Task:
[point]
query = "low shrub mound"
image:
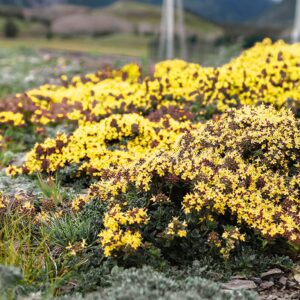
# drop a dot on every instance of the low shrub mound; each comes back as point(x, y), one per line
point(240, 170)
point(112, 142)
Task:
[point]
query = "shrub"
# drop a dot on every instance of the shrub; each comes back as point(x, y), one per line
point(11, 29)
point(146, 283)
point(241, 170)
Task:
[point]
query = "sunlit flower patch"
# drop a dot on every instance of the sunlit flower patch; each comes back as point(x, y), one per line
point(267, 73)
point(199, 145)
point(246, 164)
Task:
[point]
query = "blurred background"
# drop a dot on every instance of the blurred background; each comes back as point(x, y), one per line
point(42, 39)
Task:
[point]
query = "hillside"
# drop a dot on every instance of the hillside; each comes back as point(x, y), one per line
point(53, 12)
point(146, 18)
point(281, 15)
point(130, 17)
point(229, 11)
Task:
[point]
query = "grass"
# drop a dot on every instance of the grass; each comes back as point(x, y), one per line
point(23, 68)
point(51, 189)
point(21, 248)
point(118, 44)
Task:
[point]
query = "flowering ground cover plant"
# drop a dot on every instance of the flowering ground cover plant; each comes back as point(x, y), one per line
point(245, 164)
point(163, 169)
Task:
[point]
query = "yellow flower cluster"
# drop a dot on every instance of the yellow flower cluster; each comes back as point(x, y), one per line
point(19, 203)
point(78, 247)
point(121, 231)
point(88, 98)
point(3, 202)
point(268, 72)
point(246, 163)
point(114, 141)
point(23, 204)
point(177, 228)
point(13, 171)
point(78, 203)
point(227, 242)
point(10, 118)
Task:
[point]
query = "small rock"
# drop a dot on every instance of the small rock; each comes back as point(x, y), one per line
point(271, 273)
point(257, 280)
point(238, 284)
point(266, 285)
point(297, 277)
point(282, 280)
point(291, 284)
point(295, 295)
point(272, 297)
point(296, 273)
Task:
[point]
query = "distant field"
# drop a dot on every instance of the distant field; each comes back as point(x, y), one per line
point(117, 44)
point(24, 66)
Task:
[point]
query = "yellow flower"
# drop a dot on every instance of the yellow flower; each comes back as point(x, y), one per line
point(182, 233)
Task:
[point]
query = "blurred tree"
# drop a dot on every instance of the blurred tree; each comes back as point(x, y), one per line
point(10, 28)
point(251, 40)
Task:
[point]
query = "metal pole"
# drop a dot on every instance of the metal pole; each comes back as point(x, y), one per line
point(181, 29)
point(170, 28)
point(296, 30)
point(163, 26)
point(167, 29)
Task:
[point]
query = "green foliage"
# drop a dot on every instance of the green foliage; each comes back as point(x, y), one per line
point(20, 139)
point(46, 262)
point(68, 176)
point(173, 260)
point(251, 261)
point(69, 229)
point(11, 29)
point(250, 258)
point(146, 283)
point(10, 278)
point(93, 278)
point(6, 157)
point(21, 246)
point(51, 189)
